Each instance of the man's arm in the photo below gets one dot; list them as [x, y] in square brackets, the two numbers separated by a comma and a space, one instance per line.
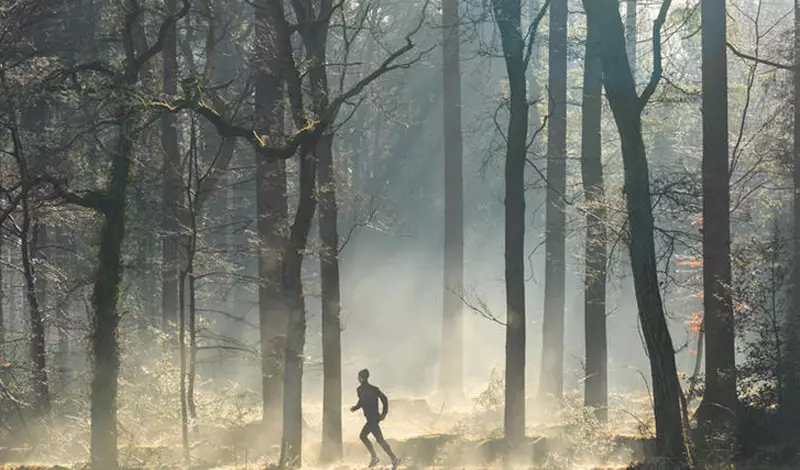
[357, 406]
[385, 401]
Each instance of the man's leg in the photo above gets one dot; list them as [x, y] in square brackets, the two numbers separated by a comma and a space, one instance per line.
[376, 431]
[364, 436]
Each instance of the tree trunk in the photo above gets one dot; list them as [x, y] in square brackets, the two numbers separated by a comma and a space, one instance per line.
[271, 206]
[792, 380]
[182, 355]
[38, 339]
[719, 399]
[631, 27]
[171, 181]
[596, 383]
[3, 325]
[315, 43]
[627, 106]
[508, 17]
[551, 383]
[104, 302]
[294, 298]
[331, 308]
[451, 364]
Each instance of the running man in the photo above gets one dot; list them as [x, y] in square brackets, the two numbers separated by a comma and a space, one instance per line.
[368, 396]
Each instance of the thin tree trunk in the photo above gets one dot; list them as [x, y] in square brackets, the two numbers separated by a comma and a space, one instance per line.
[508, 17]
[627, 106]
[182, 353]
[38, 334]
[171, 182]
[551, 383]
[272, 210]
[719, 399]
[451, 365]
[596, 383]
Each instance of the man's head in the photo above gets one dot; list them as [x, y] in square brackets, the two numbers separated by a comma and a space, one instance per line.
[363, 376]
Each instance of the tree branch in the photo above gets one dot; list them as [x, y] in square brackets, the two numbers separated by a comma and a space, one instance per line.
[534, 27]
[759, 60]
[655, 77]
[162, 35]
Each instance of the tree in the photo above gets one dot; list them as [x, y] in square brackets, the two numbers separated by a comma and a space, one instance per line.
[508, 16]
[627, 107]
[552, 372]
[39, 376]
[719, 400]
[792, 410]
[315, 40]
[596, 383]
[452, 356]
[271, 207]
[171, 186]
[126, 117]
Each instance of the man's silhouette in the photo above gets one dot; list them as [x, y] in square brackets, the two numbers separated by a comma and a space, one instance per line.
[368, 396]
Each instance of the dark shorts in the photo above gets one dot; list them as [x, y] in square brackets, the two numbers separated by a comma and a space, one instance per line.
[374, 428]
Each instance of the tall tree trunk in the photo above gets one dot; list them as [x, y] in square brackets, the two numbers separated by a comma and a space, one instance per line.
[508, 17]
[792, 380]
[315, 44]
[292, 285]
[271, 206]
[627, 107]
[631, 28]
[105, 349]
[596, 383]
[331, 307]
[171, 182]
[551, 383]
[719, 399]
[451, 365]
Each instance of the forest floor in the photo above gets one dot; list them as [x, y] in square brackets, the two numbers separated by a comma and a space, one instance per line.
[424, 437]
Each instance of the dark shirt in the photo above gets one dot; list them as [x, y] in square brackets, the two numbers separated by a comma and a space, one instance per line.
[368, 396]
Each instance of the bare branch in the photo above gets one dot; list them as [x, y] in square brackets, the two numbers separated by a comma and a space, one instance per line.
[163, 31]
[759, 60]
[534, 27]
[655, 77]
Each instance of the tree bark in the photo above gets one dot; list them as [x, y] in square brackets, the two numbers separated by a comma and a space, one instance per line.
[719, 399]
[551, 383]
[508, 14]
[627, 106]
[171, 181]
[596, 383]
[451, 364]
[271, 206]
